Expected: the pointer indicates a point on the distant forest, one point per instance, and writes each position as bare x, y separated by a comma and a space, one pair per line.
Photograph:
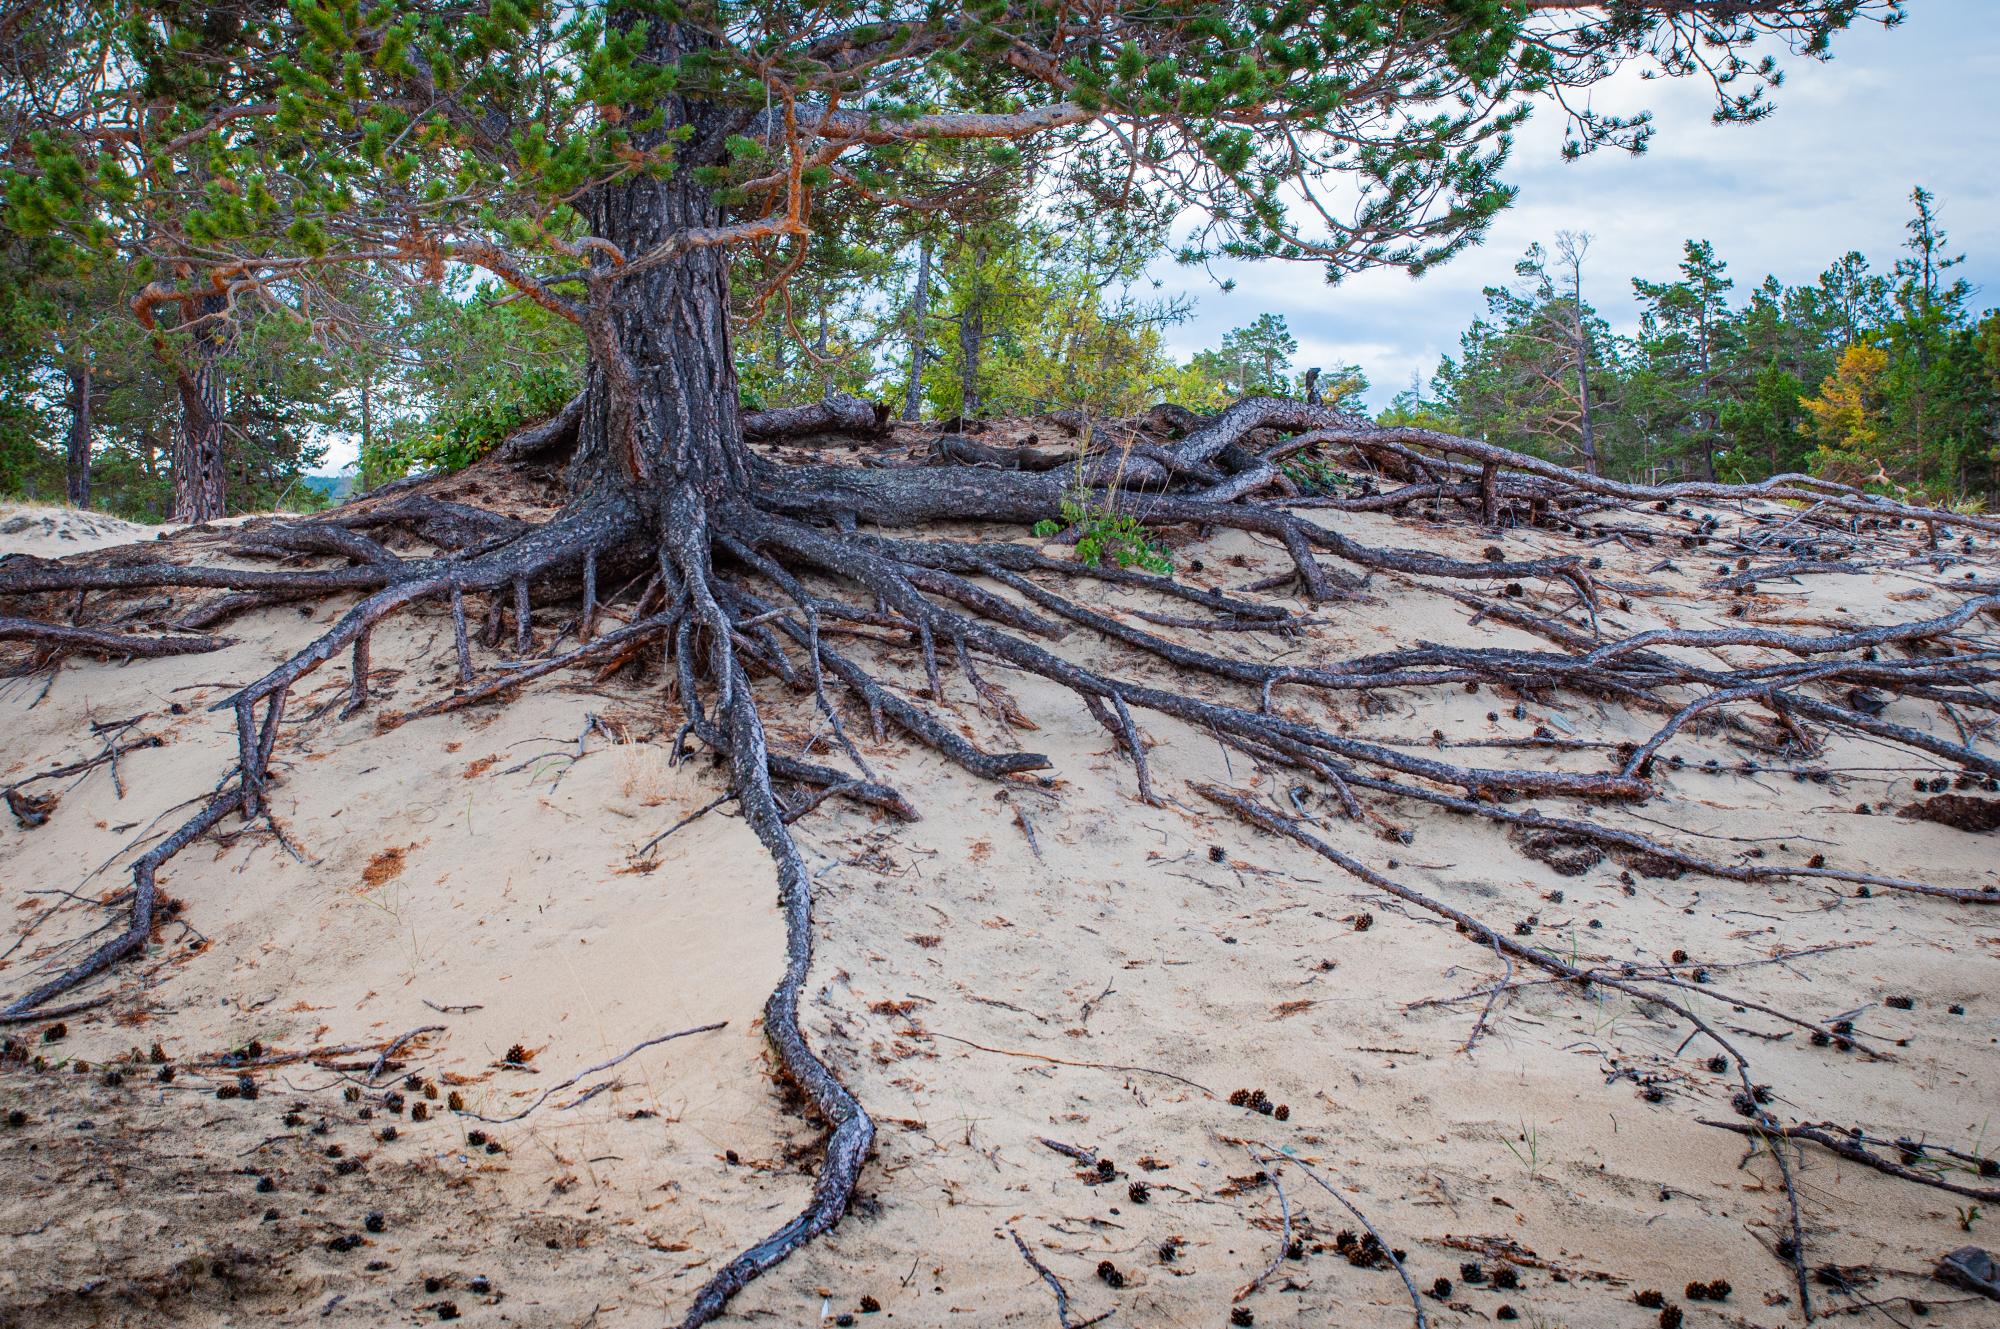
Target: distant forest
1883, 379
1882, 376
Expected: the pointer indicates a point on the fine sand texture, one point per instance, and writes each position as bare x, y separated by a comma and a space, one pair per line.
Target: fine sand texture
1177, 1062
49, 531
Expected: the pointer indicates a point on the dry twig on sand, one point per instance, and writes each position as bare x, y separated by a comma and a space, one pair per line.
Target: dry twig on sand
1056, 1286
624, 1056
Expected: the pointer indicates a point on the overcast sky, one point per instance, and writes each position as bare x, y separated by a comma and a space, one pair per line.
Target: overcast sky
1829, 172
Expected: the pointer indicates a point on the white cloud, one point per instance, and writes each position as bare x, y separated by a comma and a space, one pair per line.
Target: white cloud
1829, 172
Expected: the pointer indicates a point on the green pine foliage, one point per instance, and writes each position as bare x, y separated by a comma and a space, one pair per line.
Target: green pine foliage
1886, 380
319, 159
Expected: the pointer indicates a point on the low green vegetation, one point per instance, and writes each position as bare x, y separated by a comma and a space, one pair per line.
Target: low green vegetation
1105, 534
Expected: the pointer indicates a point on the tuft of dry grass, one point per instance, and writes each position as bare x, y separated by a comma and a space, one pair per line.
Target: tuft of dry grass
643, 773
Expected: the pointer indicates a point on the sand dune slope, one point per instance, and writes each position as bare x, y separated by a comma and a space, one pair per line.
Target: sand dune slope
1026, 975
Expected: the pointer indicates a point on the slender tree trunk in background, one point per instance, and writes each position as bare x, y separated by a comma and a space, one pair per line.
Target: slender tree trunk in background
1571, 246
200, 486
913, 394
971, 332
1586, 423
79, 436
819, 349
1705, 418
364, 474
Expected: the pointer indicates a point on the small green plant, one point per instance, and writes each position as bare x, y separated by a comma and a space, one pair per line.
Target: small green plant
1107, 533
1528, 1153
1312, 475
1967, 1216
1604, 1019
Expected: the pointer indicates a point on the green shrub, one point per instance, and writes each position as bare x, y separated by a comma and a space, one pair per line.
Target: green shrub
1311, 474
473, 422
1107, 533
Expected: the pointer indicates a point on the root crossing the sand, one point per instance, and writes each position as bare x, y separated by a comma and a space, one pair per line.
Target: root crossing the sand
746, 590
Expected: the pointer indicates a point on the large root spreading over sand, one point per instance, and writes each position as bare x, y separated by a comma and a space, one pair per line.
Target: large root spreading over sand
798, 583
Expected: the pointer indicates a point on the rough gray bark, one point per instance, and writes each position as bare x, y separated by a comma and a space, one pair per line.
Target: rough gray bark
841, 413
558, 431
660, 406
913, 392
78, 468
200, 483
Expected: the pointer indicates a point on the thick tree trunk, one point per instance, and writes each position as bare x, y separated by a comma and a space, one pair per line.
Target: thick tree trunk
200, 487
79, 436
660, 410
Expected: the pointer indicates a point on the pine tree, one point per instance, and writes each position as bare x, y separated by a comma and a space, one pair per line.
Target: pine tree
613, 164
1930, 420
1686, 338
1785, 340
1532, 373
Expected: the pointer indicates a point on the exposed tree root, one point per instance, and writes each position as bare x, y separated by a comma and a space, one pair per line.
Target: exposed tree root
763, 586
1851, 1145
55, 639
33, 1004
852, 1130
840, 413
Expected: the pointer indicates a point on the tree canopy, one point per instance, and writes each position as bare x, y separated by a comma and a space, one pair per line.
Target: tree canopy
247, 149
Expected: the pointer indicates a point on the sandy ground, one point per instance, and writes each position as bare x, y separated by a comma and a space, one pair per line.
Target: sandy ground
1050, 961
48, 531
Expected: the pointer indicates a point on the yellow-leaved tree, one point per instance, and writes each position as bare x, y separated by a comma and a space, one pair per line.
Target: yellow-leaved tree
1847, 418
